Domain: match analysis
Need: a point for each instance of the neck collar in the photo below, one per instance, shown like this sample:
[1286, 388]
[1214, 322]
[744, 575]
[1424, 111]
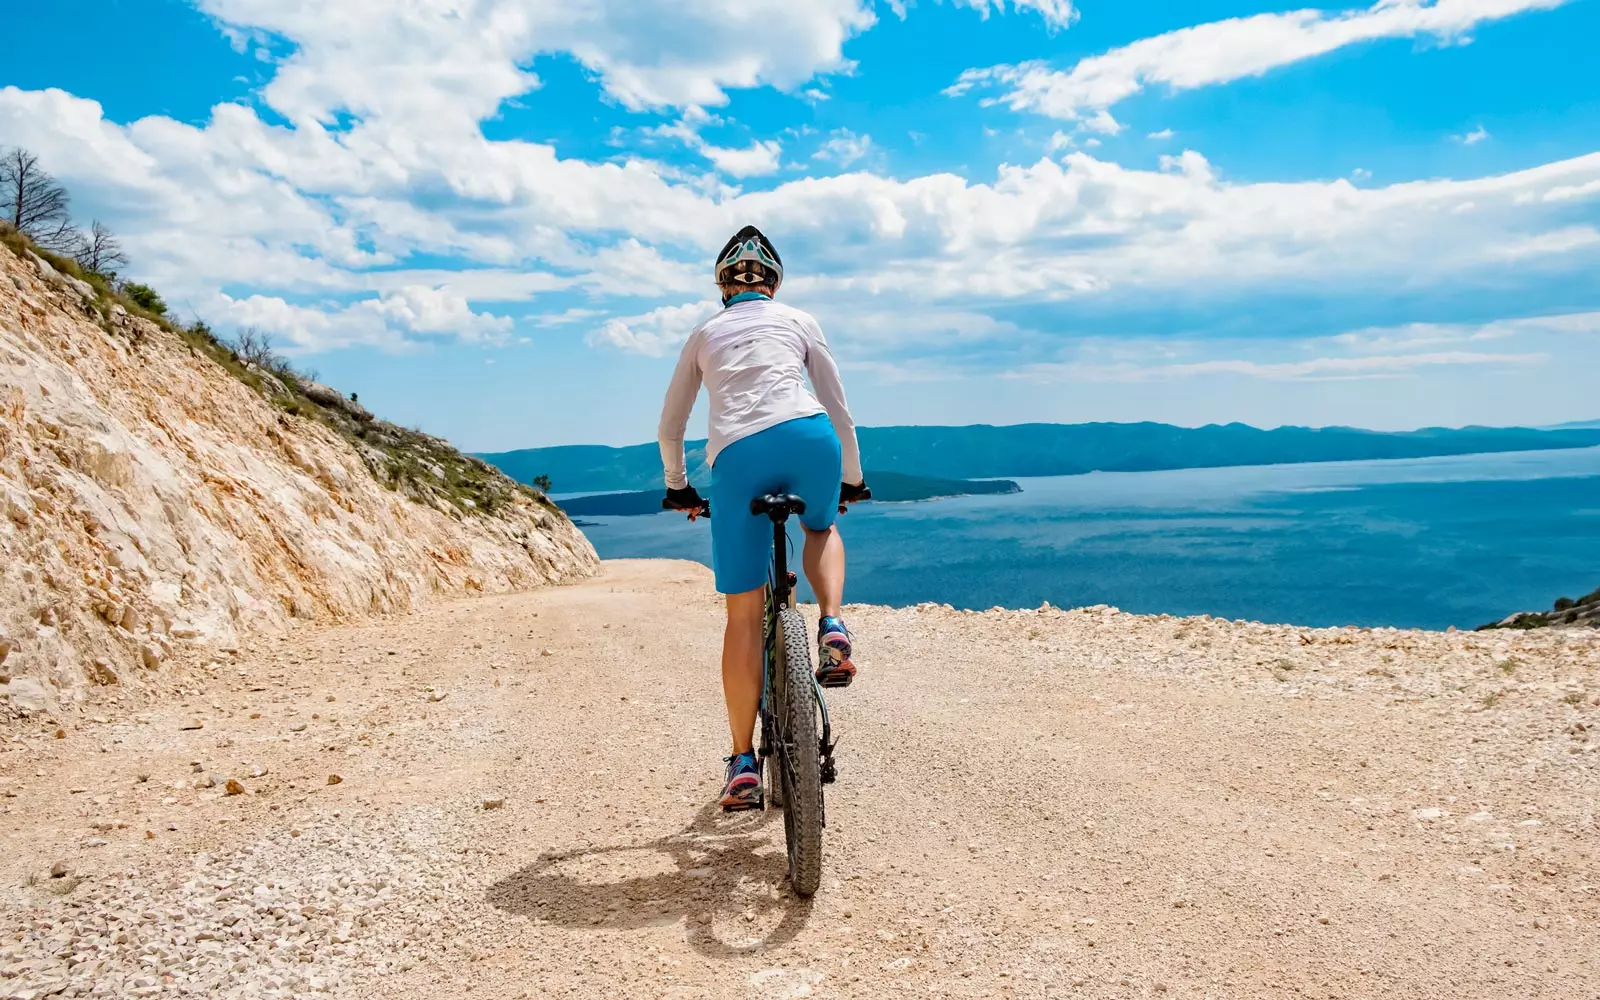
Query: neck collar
[745, 297]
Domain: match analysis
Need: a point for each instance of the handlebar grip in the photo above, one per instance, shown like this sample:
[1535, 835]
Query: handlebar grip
[704, 510]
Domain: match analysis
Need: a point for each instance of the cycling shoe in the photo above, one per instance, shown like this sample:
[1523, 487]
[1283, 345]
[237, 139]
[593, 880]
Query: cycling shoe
[742, 789]
[834, 669]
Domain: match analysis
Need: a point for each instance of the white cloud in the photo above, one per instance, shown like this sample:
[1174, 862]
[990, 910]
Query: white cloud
[632, 268]
[1056, 13]
[844, 147]
[1162, 135]
[423, 59]
[1053, 230]
[1188, 163]
[1376, 353]
[1223, 51]
[1102, 122]
[1571, 192]
[1474, 137]
[654, 333]
[1320, 369]
[477, 284]
[1371, 366]
[303, 210]
[242, 204]
[301, 219]
[573, 315]
[757, 159]
[383, 322]
[1361, 174]
[1412, 336]
[436, 311]
[1316, 369]
[1553, 243]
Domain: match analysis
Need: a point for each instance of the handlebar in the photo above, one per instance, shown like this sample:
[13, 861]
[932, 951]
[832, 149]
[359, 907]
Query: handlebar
[704, 510]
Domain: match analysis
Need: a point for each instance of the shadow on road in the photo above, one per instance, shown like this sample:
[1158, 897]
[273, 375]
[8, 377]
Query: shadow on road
[722, 876]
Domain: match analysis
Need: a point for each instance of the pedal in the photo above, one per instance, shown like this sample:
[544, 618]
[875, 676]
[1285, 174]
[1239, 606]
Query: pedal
[759, 802]
[829, 772]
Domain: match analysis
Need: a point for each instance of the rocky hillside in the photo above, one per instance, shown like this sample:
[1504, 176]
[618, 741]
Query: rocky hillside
[159, 494]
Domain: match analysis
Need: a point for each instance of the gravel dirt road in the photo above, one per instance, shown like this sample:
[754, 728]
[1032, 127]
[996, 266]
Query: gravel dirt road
[507, 797]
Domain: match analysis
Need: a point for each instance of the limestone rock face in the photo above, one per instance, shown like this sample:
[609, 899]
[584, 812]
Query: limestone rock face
[325, 396]
[150, 500]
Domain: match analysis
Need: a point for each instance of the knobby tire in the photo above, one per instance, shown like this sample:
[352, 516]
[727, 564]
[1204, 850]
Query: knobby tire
[802, 768]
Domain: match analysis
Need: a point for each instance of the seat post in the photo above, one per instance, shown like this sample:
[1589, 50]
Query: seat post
[780, 561]
[778, 507]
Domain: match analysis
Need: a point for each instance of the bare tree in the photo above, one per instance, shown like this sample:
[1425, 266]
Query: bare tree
[101, 252]
[34, 203]
[254, 346]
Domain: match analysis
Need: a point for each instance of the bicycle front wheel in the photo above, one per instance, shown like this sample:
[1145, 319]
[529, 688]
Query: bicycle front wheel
[802, 755]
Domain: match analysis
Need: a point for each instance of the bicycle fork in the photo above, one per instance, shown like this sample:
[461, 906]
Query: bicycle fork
[829, 772]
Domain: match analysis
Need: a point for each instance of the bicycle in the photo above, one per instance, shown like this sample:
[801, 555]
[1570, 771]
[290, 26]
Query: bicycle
[797, 740]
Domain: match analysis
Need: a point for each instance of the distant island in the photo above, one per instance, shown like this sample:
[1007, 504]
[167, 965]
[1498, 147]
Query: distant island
[887, 487]
[1584, 610]
[987, 452]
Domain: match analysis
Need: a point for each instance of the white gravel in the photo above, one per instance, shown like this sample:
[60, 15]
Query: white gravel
[1032, 805]
[307, 910]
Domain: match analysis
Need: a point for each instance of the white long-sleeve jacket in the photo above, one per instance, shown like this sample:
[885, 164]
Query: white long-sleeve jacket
[754, 358]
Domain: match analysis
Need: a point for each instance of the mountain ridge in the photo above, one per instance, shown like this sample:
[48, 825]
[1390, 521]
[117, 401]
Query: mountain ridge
[989, 451]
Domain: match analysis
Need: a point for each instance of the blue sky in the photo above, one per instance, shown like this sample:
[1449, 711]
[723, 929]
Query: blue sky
[494, 218]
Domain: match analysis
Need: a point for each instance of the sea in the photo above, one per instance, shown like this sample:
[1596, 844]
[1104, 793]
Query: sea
[1414, 543]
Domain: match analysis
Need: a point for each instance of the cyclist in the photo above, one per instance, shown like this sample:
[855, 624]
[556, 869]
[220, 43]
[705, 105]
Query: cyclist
[769, 433]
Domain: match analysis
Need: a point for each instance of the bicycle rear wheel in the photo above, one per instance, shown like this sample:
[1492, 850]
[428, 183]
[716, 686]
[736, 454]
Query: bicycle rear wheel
[802, 754]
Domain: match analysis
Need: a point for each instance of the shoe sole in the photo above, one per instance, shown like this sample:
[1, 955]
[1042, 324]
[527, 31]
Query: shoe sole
[838, 676]
[750, 797]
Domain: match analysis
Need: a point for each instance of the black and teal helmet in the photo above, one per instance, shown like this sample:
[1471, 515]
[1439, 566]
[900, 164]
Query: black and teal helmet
[749, 259]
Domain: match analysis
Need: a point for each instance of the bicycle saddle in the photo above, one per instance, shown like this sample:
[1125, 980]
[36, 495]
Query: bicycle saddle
[778, 506]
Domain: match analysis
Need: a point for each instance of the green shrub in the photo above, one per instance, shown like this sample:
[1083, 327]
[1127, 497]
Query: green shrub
[14, 240]
[1563, 603]
[145, 298]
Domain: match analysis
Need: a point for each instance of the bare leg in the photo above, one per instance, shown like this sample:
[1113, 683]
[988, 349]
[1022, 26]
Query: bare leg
[741, 665]
[824, 561]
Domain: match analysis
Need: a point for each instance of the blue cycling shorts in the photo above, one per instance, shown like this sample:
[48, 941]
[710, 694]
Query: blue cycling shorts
[799, 456]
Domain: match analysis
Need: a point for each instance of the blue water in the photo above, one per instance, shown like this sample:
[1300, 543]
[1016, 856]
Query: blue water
[1415, 543]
